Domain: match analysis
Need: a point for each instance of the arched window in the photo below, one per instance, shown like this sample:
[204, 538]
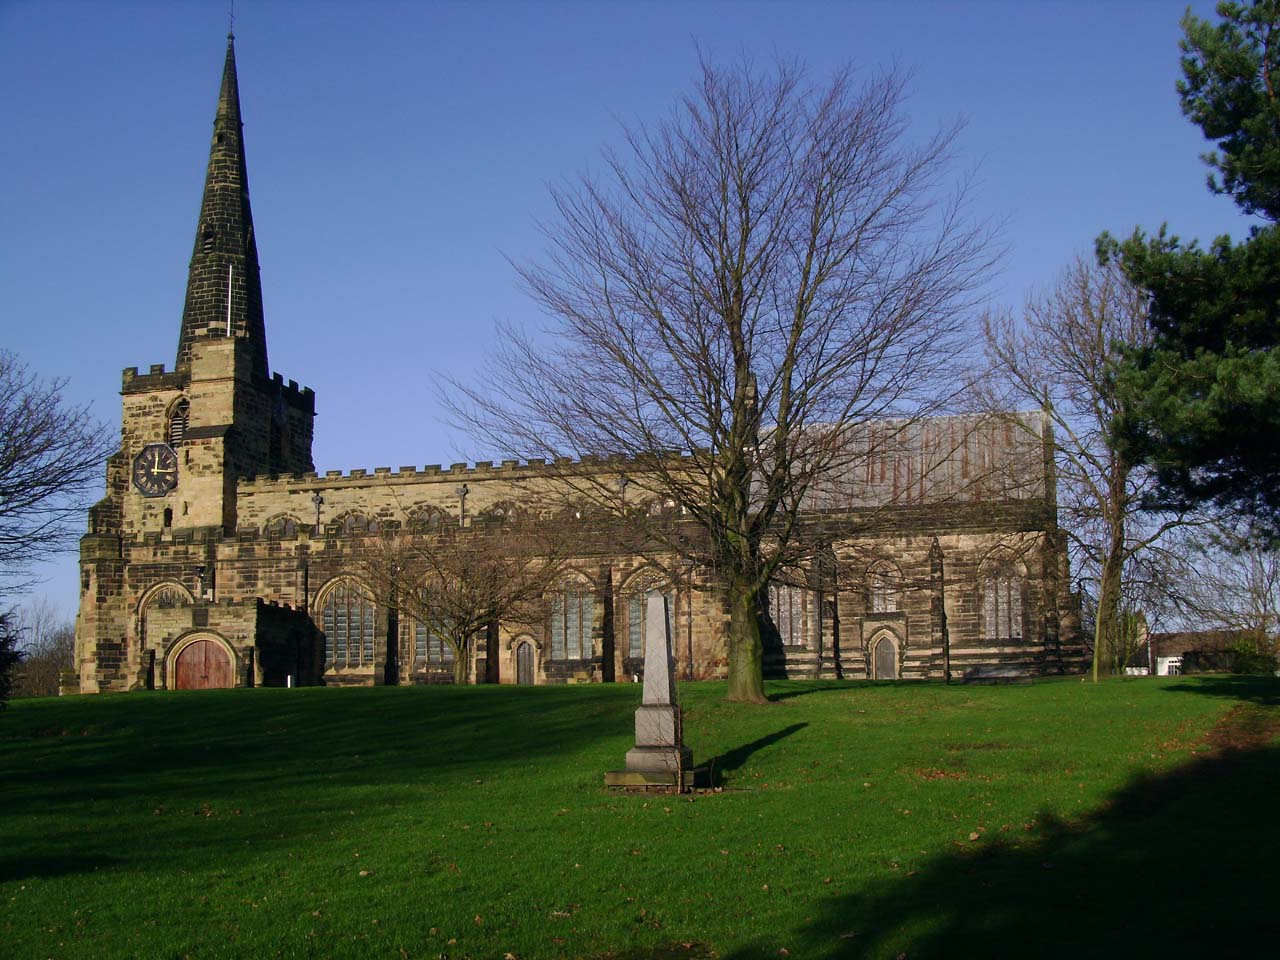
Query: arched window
[637, 613]
[794, 613]
[882, 588]
[179, 417]
[282, 526]
[1002, 601]
[573, 616]
[164, 593]
[349, 619]
[430, 650]
[356, 525]
[428, 519]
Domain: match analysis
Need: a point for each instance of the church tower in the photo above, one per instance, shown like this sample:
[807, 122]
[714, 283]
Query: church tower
[190, 435]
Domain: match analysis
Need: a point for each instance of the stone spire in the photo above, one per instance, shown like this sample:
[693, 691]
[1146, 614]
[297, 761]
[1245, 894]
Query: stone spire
[224, 263]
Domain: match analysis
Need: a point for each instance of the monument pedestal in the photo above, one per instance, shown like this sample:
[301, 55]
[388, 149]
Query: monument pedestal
[659, 758]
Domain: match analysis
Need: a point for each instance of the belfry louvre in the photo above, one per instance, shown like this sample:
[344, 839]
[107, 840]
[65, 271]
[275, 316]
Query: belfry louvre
[220, 557]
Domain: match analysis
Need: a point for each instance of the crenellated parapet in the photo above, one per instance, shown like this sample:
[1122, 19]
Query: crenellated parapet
[132, 382]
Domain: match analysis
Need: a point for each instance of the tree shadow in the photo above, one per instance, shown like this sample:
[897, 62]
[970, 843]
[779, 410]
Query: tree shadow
[159, 763]
[735, 758]
[1246, 688]
[1179, 864]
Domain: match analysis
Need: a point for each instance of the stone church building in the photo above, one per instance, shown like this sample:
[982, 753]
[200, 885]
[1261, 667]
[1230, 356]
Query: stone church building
[220, 557]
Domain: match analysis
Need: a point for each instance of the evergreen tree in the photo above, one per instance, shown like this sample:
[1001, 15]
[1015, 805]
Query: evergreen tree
[1205, 415]
[10, 655]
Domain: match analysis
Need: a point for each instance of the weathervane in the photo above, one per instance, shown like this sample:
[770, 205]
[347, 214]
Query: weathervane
[231, 18]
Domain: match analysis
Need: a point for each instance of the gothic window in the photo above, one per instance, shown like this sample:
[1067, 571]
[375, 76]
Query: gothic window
[1002, 602]
[282, 526]
[882, 588]
[357, 525]
[430, 650]
[349, 618]
[637, 613]
[179, 418]
[164, 593]
[428, 520]
[573, 618]
[794, 613]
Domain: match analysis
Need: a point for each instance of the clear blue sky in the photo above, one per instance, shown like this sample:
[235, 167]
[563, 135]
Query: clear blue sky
[399, 155]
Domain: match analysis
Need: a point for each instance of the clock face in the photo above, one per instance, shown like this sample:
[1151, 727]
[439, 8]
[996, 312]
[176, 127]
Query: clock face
[155, 470]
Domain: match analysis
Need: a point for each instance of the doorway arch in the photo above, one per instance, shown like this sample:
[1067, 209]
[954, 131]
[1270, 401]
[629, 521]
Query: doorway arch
[884, 657]
[524, 662]
[202, 662]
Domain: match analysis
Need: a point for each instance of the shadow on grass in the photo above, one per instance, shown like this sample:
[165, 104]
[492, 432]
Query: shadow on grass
[206, 771]
[1179, 864]
[735, 758]
[1253, 689]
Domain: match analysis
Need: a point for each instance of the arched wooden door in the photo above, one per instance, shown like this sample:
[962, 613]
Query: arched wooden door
[524, 662]
[203, 665]
[886, 659]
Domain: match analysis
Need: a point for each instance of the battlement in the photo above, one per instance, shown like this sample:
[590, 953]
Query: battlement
[156, 379]
[293, 394]
[480, 470]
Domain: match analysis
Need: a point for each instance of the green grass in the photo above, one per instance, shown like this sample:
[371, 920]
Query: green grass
[856, 820]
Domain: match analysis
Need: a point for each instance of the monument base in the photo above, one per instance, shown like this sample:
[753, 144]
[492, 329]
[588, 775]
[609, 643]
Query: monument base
[656, 759]
[640, 780]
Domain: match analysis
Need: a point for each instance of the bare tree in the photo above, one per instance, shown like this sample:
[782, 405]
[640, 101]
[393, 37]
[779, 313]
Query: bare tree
[1229, 581]
[761, 273]
[48, 648]
[51, 458]
[462, 583]
[1062, 355]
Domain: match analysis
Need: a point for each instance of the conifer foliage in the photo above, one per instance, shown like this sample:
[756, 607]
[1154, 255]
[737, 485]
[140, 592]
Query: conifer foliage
[1205, 416]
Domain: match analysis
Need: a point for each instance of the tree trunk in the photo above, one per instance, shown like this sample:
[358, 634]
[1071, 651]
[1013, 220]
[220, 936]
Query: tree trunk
[746, 647]
[460, 657]
[1108, 599]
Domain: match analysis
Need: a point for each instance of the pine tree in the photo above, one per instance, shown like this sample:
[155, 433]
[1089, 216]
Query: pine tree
[1205, 415]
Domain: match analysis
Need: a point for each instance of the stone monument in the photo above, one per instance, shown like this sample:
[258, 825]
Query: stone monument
[659, 758]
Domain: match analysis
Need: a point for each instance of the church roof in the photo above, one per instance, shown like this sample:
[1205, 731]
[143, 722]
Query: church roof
[224, 288]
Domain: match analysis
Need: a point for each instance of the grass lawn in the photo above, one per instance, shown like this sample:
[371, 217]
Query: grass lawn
[1058, 819]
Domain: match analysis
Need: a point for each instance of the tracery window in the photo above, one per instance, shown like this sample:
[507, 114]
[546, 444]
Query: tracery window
[637, 615]
[429, 649]
[794, 613]
[349, 623]
[882, 588]
[573, 615]
[1002, 602]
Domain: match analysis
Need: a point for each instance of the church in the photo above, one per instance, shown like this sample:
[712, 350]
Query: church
[220, 557]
